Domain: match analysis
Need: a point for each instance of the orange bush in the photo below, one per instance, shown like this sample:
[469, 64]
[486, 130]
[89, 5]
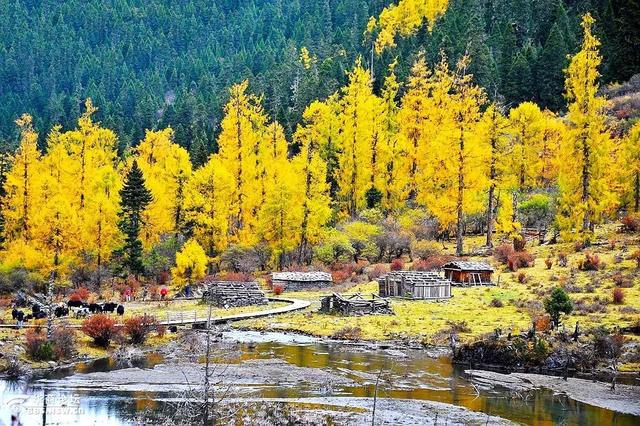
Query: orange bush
[397, 265]
[618, 296]
[278, 289]
[138, 327]
[80, 294]
[542, 323]
[101, 328]
[591, 262]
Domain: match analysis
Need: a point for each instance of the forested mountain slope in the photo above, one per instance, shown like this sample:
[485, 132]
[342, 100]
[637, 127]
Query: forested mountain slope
[153, 63]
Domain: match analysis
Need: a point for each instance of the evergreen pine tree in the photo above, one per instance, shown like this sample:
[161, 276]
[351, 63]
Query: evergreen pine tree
[134, 199]
[551, 63]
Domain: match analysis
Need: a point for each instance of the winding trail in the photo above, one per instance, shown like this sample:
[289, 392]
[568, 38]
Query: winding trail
[294, 305]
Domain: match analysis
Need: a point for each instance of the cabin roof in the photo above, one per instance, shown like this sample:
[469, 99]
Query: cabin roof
[467, 265]
[415, 277]
[222, 283]
[302, 276]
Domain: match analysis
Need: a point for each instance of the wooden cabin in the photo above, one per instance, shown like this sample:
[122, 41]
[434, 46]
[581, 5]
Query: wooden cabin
[293, 281]
[228, 294]
[355, 304]
[462, 272]
[427, 285]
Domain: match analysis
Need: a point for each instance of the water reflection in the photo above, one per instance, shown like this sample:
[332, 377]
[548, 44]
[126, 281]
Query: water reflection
[402, 374]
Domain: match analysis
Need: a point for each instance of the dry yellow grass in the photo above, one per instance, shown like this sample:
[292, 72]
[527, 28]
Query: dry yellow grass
[424, 320]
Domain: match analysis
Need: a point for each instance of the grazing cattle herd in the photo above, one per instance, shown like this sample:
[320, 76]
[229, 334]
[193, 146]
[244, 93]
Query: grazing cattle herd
[76, 308]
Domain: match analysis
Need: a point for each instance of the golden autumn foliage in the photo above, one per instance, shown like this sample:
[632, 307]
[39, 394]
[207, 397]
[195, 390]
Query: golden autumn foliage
[362, 162]
[404, 18]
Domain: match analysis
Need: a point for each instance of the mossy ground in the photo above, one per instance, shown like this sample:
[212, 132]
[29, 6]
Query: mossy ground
[430, 321]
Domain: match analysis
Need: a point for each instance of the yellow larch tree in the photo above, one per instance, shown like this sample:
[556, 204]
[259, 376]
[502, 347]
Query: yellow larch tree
[404, 18]
[453, 180]
[243, 128]
[21, 183]
[412, 118]
[358, 104]
[493, 128]
[93, 194]
[393, 160]
[191, 263]
[310, 172]
[208, 196]
[585, 195]
[632, 165]
[166, 168]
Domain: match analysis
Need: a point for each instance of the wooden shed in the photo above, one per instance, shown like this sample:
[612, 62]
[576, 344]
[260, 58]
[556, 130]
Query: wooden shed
[426, 285]
[227, 294]
[462, 272]
[293, 281]
[354, 304]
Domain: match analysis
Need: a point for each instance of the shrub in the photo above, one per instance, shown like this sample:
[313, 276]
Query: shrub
[80, 294]
[161, 330]
[64, 342]
[376, 271]
[519, 243]
[502, 253]
[37, 346]
[520, 259]
[278, 289]
[138, 327]
[496, 303]
[548, 262]
[562, 259]
[622, 281]
[591, 262]
[542, 322]
[557, 304]
[101, 328]
[607, 345]
[630, 223]
[348, 333]
[618, 296]
[635, 256]
[431, 263]
[235, 276]
[459, 326]
[397, 264]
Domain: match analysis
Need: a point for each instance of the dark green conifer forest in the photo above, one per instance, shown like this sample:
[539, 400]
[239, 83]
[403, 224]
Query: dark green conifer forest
[152, 63]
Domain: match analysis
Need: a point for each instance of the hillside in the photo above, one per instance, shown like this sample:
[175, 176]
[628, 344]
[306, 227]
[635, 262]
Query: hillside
[149, 64]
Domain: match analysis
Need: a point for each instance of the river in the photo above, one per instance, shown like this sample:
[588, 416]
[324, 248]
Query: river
[78, 396]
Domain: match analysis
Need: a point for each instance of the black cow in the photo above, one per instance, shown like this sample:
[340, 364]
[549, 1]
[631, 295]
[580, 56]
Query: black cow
[74, 303]
[40, 315]
[173, 328]
[14, 314]
[109, 307]
[28, 317]
[35, 308]
[95, 308]
[17, 315]
[61, 311]
[120, 310]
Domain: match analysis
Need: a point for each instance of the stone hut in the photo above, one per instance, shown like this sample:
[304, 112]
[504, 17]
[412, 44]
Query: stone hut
[293, 281]
[426, 285]
[230, 294]
[462, 272]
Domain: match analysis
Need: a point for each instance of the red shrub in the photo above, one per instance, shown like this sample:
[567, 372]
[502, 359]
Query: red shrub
[234, 276]
[64, 342]
[522, 278]
[520, 259]
[502, 253]
[618, 296]
[278, 289]
[519, 243]
[621, 280]
[80, 294]
[591, 262]
[161, 330]
[397, 265]
[37, 346]
[101, 328]
[138, 327]
[431, 263]
[340, 276]
[631, 223]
